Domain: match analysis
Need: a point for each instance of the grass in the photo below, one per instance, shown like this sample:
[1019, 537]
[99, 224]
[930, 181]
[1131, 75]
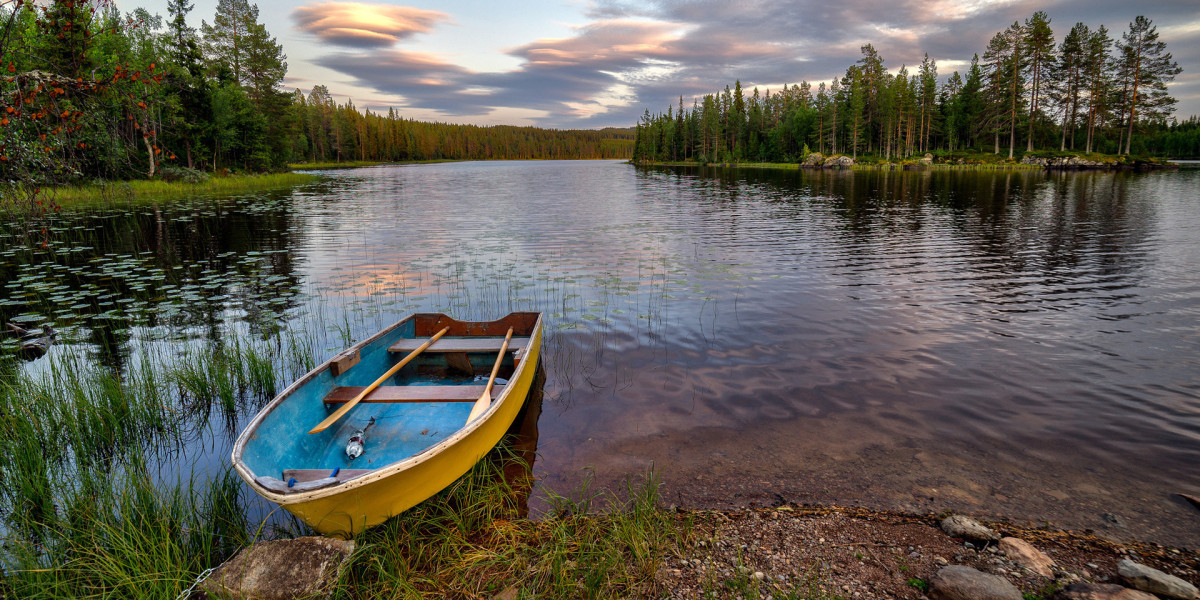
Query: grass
[471, 541]
[124, 192]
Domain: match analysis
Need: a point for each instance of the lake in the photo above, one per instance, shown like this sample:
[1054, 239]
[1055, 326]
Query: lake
[1007, 344]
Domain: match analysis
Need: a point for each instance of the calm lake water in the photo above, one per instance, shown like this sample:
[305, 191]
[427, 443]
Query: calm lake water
[1019, 345]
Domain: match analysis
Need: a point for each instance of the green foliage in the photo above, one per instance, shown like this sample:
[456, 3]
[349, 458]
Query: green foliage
[172, 174]
[920, 584]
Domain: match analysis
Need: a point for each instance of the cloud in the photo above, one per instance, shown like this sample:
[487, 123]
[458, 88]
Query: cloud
[423, 80]
[632, 56]
[364, 26]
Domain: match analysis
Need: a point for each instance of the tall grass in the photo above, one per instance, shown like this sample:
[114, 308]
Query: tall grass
[125, 536]
[471, 541]
[125, 192]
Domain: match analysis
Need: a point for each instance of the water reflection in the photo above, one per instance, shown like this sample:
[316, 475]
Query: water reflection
[993, 342]
[175, 268]
[521, 442]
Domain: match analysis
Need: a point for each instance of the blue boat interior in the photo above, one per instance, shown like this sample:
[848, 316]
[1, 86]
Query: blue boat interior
[390, 431]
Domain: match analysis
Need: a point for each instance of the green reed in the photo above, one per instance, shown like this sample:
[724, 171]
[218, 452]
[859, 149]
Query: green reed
[124, 193]
[470, 540]
[123, 535]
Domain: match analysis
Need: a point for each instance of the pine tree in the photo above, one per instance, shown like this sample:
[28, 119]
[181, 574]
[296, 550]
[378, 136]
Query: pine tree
[1067, 80]
[1098, 80]
[1038, 46]
[224, 40]
[1005, 63]
[1145, 69]
[928, 93]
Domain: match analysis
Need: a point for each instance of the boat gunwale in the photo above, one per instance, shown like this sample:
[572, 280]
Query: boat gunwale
[390, 469]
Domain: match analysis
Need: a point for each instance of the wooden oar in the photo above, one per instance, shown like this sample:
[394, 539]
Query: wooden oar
[331, 419]
[485, 400]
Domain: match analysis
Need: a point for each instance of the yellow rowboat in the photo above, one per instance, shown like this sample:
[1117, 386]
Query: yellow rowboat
[390, 421]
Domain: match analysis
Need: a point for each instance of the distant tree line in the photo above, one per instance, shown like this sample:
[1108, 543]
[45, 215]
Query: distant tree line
[331, 132]
[1088, 93]
[87, 92]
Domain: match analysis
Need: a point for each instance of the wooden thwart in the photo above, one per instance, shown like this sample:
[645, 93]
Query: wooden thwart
[480, 344]
[303, 475]
[337, 414]
[408, 393]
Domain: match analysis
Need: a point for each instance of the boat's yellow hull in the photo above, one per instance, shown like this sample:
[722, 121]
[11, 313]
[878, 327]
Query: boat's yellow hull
[350, 506]
[390, 492]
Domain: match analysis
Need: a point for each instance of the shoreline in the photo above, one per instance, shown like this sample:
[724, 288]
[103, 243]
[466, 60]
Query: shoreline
[839, 163]
[333, 166]
[643, 549]
[861, 553]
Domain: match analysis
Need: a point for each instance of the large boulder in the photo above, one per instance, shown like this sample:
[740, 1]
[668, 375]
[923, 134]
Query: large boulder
[814, 159]
[839, 161]
[1024, 554]
[957, 582]
[1156, 582]
[305, 567]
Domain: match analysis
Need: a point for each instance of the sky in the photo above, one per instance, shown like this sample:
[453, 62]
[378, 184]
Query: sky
[598, 63]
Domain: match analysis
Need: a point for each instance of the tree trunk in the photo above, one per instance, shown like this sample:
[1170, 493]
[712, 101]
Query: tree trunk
[150, 152]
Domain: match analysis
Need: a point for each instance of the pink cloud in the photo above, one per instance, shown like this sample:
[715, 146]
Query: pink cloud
[364, 25]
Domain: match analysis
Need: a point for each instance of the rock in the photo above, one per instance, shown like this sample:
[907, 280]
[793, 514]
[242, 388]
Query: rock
[1100, 591]
[966, 527]
[305, 567]
[814, 159]
[33, 342]
[1156, 582]
[1022, 553]
[926, 160]
[957, 582]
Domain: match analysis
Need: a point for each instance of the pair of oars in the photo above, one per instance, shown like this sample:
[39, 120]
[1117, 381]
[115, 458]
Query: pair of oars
[481, 405]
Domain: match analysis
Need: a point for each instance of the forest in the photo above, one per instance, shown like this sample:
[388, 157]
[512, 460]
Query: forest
[88, 93]
[1088, 93]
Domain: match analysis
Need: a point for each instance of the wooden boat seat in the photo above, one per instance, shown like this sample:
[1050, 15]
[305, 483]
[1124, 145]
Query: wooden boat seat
[307, 480]
[470, 344]
[304, 475]
[412, 393]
